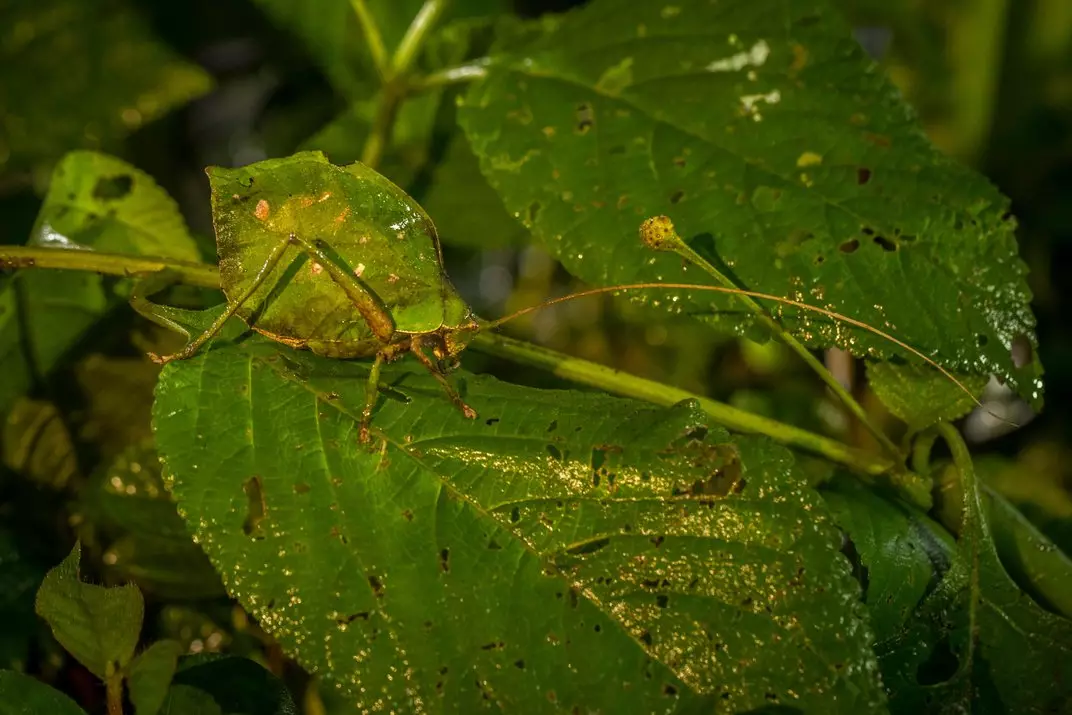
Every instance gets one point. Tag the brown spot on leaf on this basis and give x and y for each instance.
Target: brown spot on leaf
(262, 210)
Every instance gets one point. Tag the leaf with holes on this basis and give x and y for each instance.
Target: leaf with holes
(566, 549)
(784, 158)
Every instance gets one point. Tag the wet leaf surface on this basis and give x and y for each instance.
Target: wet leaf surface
(782, 156)
(563, 549)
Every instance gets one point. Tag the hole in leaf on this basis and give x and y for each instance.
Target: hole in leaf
(113, 188)
(677, 196)
(940, 666)
(553, 426)
(515, 515)
(662, 600)
(981, 340)
(586, 117)
(863, 175)
(377, 586)
(885, 244)
(519, 664)
(588, 547)
(256, 507)
(555, 453)
(363, 615)
(301, 488)
(849, 246)
(491, 421)
(407, 515)
(1022, 351)
(669, 690)
(645, 638)
(444, 560)
(494, 545)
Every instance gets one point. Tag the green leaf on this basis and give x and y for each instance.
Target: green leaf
(898, 550)
(36, 445)
(782, 157)
(1017, 658)
(147, 541)
(186, 700)
(88, 73)
(465, 209)
(237, 685)
(22, 695)
(95, 202)
(98, 626)
(921, 396)
(149, 677)
(562, 550)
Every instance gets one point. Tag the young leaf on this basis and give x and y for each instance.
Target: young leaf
(99, 626)
(22, 695)
(150, 676)
(88, 74)
(782, 157)
(563, 550)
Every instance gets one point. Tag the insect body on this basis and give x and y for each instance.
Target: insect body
(338, 260)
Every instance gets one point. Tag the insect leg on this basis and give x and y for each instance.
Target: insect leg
(372, 388)
(376, 315)
(233, 306)
(417, 349)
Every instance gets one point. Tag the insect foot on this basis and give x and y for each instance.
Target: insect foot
(658, 233)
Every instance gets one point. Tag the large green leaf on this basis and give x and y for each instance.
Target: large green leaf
(562, 550)
(22, 695)
(782, 156)
(1019, 658)
(82, 74)
(94, 201)
(237, 685)
(99, 626)
(150, 676)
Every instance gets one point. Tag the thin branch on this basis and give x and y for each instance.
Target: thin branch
(372, 37)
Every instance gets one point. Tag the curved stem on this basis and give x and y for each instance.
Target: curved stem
(423, 22)
(796, 346)
(372, 37)
(621, 383)
(468, 72)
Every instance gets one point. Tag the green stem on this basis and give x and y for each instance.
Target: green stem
(574, 369)
(113, 690)
(973, 529)
(468, 72)
(796, 346)
(395, 82)
(418, 30)
(372, 37)
(621, 383)
(203, 275)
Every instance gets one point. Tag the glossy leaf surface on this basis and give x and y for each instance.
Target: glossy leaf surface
(561, 550)
(782, 156)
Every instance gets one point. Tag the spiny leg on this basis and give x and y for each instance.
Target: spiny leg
(194, 345)
(437, 373)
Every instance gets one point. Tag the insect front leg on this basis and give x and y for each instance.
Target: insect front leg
(417, 348)
(233, 307)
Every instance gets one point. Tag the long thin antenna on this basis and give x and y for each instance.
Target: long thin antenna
(752, 294)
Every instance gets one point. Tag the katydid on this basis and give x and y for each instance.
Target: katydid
(350, 266)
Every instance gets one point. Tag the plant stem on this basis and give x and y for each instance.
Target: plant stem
(425, 19)
(477, 69)
(395, 87)
(796, 346)
(113, 692)
(621, 383)
(372, 37)
(575, 369)
(203, 275)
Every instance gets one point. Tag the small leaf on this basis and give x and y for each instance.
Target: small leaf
(643, 545)
(920, 396)
(149, 676)
(98, 626)
(187, 700)
(88, 74)
(22, 695)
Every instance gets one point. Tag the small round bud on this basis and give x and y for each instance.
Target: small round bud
(658, 233)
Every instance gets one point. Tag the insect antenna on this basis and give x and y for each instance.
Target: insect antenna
(494, 324)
